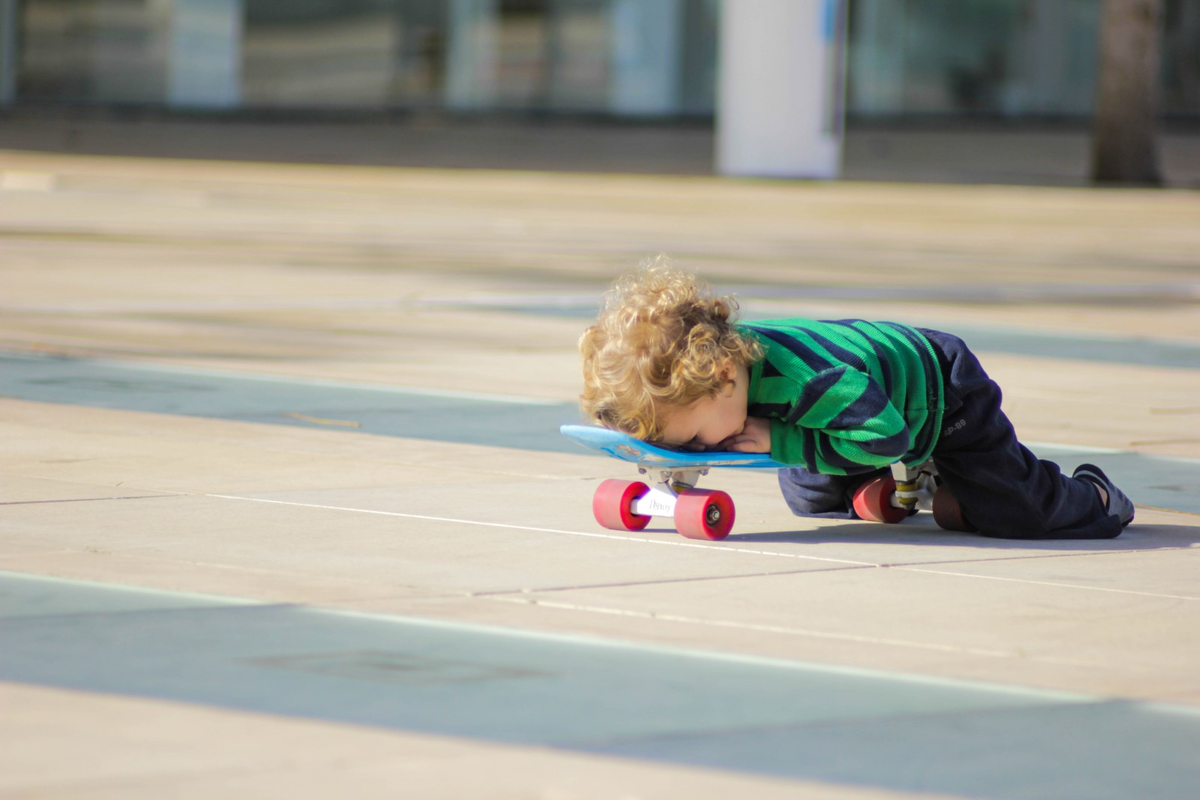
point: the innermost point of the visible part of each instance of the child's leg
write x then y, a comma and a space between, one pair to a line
1003, 488
809, 494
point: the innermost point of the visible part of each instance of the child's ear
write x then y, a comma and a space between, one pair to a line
728, 376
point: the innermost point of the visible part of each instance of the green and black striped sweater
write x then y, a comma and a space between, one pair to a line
846, 397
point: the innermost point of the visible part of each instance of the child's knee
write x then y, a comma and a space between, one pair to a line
809, 495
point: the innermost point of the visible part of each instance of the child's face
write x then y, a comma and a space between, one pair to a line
710, 420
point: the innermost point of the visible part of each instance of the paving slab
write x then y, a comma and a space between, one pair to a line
666, 705
284, 508
124, 747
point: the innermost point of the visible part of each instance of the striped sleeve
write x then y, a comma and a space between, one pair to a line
842, 423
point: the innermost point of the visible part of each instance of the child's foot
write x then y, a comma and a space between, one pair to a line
1114, 499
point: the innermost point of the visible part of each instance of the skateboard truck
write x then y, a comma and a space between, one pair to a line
660, 500
891, 498
697, 513
915, 486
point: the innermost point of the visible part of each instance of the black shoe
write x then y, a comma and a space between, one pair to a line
1118, 503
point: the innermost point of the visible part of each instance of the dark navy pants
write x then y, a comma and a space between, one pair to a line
1004, 489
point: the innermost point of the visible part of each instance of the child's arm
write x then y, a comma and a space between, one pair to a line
843, 423
755, 437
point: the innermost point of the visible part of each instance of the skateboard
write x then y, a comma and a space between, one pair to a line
710, 514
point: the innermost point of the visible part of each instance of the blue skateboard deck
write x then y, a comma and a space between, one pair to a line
629, 505
627, 448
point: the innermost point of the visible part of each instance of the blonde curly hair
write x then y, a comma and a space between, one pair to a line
661, 341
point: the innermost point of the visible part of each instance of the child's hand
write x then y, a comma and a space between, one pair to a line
754, 438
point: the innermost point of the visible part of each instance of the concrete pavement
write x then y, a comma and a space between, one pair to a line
284, 511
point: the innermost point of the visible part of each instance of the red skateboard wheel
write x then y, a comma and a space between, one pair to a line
704, 514
873, 501
612, 505
948, 514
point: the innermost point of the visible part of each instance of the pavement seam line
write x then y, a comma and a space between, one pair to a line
1046, 583
1035, 557
83, 499
751, 626
695, 545
628, 584
779, 629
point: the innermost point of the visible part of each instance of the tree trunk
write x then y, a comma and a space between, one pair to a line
1124, 148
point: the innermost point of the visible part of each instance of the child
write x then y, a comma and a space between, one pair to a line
841, 400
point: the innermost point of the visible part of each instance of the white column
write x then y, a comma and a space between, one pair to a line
779, 92
646, 56
472, 54
204, 54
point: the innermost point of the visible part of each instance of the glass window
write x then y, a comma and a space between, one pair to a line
1181, 58
625, 57
319, 54
105, 51
420, 76
698, 85
989, 57
522, 35
579, 55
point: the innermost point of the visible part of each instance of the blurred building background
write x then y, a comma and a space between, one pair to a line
906, 59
